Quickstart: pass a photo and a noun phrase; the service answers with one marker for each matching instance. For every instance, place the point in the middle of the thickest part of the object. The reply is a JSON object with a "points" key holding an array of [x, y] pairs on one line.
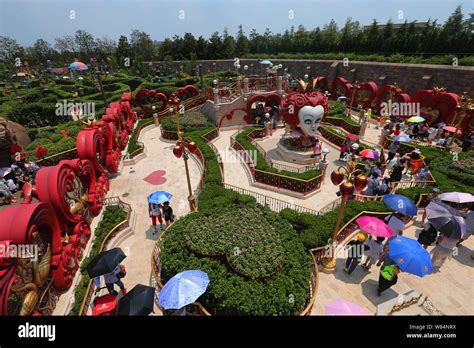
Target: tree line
{"points": [[455, 36]]}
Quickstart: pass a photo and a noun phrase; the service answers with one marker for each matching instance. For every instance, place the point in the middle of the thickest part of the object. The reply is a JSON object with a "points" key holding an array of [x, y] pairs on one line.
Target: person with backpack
{"points": [[354, 254], [388, 277]]}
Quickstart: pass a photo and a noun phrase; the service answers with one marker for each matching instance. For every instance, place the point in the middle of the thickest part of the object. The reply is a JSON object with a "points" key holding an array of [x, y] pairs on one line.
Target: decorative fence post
{"points": [[246, 87]]}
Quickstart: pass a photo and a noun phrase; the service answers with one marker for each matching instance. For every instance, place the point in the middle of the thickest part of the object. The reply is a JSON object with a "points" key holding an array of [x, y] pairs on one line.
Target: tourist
{"points": [[375, 251], [385, 258], [397, 130], [155, 213], [317, 150], [344, 149], [393, 162], [415, 130], [397, 171], [372, 185], [5, 192], [468, 142], [268, 125], [168, 213], [396, 222], [442, 142], [432, 134], [428, 235], [392, 149], [377, 168], [469, 226], [388, 277], [111, 279], [424, 174], [354, 253], [385, 187], [440, 128], [413, 161], [443, 249], [450, 140], [432, 197]]}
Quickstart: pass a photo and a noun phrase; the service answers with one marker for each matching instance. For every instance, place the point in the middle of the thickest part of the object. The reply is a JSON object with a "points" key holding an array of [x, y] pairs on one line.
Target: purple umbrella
{"points": [[456, 197], [343, 307]]}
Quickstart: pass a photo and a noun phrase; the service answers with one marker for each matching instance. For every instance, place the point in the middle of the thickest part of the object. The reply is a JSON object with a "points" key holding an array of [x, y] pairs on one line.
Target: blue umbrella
{"points": [[266, 62], [159, 197], [410, 256], [184, 288], [402, 138], [401, 204]]}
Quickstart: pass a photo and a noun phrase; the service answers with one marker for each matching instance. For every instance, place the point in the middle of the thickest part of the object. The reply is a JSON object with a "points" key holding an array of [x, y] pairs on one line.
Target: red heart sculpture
{"points": [[146, 99], [267, 99], [365, 94], [436, 106], [383, 95], [340, 87]]}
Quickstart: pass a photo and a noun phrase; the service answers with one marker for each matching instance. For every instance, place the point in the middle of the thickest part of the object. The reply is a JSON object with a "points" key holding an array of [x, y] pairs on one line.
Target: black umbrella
{"points": [[105, 262], [138, 301], [446, 220]]}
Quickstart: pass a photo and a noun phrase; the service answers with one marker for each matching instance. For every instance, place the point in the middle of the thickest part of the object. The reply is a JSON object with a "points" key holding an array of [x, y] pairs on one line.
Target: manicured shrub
{"points": [[231, 293], [189, 121]]}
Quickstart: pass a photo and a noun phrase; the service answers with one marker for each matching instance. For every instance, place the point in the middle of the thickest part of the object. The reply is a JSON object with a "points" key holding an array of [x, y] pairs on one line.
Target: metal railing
{"points": [[274, 204]]}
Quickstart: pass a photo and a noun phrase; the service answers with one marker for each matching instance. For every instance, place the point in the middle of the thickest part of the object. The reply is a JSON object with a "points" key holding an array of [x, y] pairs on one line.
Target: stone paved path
{"points": [[131, 188], [451, 290]]}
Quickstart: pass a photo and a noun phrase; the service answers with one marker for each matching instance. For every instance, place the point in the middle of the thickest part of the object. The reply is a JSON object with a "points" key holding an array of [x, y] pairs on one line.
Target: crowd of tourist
{"points": [[14, 177]]}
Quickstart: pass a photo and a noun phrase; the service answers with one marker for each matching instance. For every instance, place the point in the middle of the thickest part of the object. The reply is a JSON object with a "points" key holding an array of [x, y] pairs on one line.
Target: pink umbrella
{"points": [[452, 129], [374, 226], [343, 307]]}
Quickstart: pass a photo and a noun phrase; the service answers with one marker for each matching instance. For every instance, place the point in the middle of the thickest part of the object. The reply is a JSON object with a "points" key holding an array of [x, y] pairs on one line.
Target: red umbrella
{"points": [[353, 137], [452, 129]]}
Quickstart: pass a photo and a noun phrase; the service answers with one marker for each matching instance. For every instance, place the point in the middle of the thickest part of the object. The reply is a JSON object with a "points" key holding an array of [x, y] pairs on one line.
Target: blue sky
{"points": [[28, 20]]}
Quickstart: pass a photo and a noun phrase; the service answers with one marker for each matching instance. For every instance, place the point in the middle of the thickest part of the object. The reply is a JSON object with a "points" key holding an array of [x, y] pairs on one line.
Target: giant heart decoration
{"points": [[340, 87], [146, 99], [436, 105], [383, 96], [266, 99], [365, 94]]}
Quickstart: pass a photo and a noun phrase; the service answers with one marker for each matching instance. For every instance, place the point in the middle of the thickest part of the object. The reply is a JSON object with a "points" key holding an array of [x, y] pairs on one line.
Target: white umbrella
{"points": [[456, 197]]}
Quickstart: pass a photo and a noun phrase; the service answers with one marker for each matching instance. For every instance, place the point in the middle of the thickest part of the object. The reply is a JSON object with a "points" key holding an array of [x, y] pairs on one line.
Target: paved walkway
{"points": [[451, 290], [235, 173], [131, 188]]}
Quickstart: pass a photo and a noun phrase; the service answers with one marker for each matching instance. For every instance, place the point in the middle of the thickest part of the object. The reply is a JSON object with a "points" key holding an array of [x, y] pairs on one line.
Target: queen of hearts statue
{"points": [[303, 111]]}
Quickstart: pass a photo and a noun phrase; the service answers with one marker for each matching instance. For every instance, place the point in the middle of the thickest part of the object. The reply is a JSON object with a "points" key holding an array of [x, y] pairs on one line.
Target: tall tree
{"points": [[242, 46]]}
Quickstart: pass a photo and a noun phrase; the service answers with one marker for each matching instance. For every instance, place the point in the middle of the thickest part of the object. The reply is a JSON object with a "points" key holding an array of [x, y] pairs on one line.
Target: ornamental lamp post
{"points": [[182, 149], [246, 67], [348, 182], [356, 87]]}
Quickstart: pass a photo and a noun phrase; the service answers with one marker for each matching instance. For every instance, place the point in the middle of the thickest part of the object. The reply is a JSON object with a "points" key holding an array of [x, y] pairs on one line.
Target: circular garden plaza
{"points": [[288, 196]]}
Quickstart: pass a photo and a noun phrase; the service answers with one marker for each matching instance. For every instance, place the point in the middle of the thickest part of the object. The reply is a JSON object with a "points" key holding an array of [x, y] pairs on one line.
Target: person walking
{"points": [[317, 150], [442, 251], [392, 150], [155, 213], [375, 251], [388, 277], [168, 213], [428, 235], [354, 253], [111, 279], [396, 222]]}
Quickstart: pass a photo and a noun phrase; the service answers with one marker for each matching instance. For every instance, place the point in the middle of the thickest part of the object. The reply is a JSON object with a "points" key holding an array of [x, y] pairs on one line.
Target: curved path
{"points": [[167, 173]]}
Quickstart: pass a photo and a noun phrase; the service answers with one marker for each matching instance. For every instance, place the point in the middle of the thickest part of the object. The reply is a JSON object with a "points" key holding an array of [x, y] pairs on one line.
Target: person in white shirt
{"points": [[442, 250], [396, 223], [374, 252]]}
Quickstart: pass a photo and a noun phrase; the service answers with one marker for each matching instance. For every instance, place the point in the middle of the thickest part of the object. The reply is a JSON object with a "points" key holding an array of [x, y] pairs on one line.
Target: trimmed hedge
{"points": [[113, 215], [315, 231], [284, 293], [192, 120]]}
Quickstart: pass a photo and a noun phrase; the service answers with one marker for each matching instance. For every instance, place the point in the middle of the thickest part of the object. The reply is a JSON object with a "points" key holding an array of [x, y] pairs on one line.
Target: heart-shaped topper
{"points": [[365, 94], [146, 99]]}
